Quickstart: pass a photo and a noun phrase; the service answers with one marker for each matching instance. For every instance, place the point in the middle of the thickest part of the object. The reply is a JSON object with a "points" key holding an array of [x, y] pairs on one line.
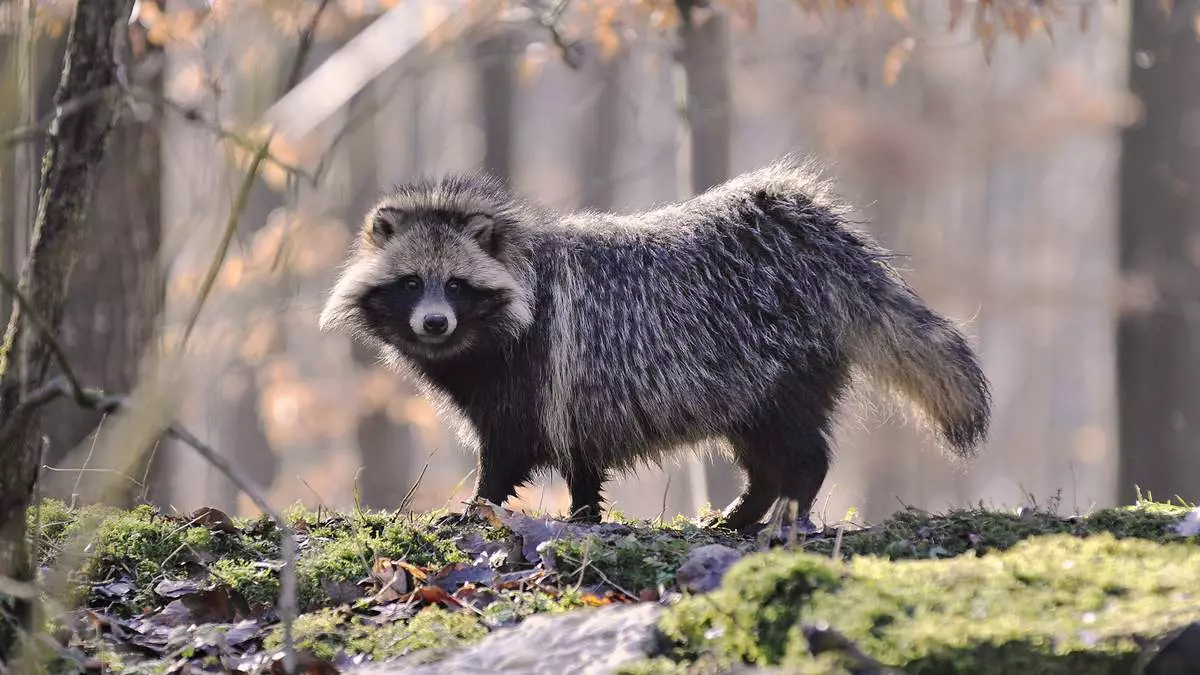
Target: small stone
{"points": [[705, 567]]}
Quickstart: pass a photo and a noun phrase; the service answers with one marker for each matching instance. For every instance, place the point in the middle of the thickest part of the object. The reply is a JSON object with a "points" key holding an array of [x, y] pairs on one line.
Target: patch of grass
{"points": [[342, 549], [643, 557], [327, 632], [258, 584], [913, 534], [1053, 604], [512, 606]]}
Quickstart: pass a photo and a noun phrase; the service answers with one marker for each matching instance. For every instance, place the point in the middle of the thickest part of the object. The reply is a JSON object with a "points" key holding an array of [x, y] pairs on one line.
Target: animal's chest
{"points": [[490, 393]]}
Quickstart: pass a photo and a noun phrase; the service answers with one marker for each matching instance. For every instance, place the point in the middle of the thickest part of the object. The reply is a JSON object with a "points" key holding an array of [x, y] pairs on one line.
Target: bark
{"points": [[706, 134], [116, 292], [497, 93], [69, 168], [1158, 337]]}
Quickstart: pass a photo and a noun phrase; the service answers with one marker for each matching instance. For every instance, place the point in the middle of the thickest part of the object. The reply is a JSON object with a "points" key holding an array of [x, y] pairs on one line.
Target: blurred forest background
{"points": [[1035, 161]]}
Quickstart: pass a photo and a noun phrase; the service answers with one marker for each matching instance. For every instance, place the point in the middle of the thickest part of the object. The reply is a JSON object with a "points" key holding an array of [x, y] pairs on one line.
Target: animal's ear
{"points": [[384, 223], [482, 228]]}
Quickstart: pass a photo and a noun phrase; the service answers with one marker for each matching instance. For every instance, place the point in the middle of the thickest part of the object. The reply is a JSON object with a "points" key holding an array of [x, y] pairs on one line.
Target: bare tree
{"points": [[77, 143], [117, 292], [1158, 340], [704, 140]]}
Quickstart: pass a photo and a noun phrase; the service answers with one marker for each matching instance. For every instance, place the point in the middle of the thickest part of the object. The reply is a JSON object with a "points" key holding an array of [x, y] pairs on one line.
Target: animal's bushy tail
{"points": [[921, 356]]}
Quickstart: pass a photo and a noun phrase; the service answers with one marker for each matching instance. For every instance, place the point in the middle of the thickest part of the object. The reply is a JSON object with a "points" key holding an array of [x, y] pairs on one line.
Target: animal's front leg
{"points": [[503, 466]]}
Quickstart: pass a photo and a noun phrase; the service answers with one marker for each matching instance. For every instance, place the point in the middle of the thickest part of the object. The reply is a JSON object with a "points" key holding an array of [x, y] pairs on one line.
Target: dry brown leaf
{"points": [[897, 8], [896, 57], [214, 520], [436, 594]]}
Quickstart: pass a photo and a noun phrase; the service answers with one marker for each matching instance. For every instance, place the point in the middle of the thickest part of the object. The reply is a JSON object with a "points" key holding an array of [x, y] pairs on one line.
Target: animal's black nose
{"points": [[436, 324]]}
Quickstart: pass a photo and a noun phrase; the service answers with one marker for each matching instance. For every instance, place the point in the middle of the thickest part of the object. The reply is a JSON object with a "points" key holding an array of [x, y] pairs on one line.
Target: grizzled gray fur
{"points": [[589, 342]]}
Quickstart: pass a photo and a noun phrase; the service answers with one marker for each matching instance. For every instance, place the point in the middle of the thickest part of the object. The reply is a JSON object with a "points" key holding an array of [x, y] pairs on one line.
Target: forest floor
{"points": [[970, 591]]}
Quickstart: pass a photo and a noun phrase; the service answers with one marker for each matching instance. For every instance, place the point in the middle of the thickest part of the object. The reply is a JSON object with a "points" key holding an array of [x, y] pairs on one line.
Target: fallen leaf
{"points": [[534, 532], [436, 594], [214, 520], [116, 589], [452, 576], [896, 57], [216, 604]]}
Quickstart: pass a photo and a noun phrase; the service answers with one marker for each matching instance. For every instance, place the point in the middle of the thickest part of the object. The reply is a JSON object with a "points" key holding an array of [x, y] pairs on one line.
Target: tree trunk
{"points": [[598, 159], [69, 169], [1158, 337], [116, 293], [704, 143], [497, 94]]}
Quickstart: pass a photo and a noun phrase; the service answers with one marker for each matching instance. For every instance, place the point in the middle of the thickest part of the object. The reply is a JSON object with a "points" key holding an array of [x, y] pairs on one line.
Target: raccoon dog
{"points": [[589, 342]]}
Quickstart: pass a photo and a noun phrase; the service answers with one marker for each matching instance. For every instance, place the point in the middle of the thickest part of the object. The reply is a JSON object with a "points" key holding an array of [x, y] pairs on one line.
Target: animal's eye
{"points": [[412, 283], [454, 286]]}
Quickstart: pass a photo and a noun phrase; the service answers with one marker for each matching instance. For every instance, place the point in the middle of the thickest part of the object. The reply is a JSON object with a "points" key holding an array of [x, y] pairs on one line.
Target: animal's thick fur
{"points": [[592, 341]]}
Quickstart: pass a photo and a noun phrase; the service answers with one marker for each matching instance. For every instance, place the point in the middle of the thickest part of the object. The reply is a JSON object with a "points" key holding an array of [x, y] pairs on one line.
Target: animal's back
{"points": [[675, 324]]}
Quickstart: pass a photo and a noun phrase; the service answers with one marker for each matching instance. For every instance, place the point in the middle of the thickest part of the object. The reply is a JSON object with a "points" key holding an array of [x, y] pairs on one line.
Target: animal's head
{"points": [[439, 268]]}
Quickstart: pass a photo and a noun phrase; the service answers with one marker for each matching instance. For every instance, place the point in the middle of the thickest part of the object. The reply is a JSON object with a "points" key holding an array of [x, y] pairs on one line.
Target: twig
{"points": [[58, 469], [549, 21], [59, 355], [662, 514], [306, 38], [41, 128], [218, 261], [146, 473], [190, 114], [408, 495], [87, 460]]}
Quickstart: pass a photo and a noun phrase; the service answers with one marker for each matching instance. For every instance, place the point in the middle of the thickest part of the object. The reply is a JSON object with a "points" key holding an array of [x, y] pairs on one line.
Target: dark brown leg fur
{"points": [[785, 451], [585, 484]]}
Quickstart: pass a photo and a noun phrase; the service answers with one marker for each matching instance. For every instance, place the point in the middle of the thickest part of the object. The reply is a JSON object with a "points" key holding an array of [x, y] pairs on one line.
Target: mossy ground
{"points": [[953, 592]]}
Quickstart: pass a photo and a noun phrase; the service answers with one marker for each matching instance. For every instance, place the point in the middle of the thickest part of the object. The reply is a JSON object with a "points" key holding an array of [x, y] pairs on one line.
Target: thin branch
{"points": [[287, 575], [239, 206], [306, 39], [218, 260], [194, 116], [571, 54], [59, 355], [42, 127]]}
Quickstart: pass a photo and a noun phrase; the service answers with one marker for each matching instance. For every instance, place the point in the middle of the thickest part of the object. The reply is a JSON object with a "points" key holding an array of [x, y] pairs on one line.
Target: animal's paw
{"points": [[471, 516], [782, 531], [717, 522], [584, 516]]}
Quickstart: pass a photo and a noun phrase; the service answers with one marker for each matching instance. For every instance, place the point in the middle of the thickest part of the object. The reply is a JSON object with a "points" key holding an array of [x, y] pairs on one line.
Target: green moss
{"points": [[512, 606], [258, 584], [643, 558], [343, 549], [50, 518], [1054, 604], [335, 562], [327, 632], [915, 534], [139, 542]]}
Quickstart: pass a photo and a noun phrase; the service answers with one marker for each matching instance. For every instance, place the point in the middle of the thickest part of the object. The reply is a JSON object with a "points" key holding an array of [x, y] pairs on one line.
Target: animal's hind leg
{"points": [[585, 484], [786, 454], [762, 489]]}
